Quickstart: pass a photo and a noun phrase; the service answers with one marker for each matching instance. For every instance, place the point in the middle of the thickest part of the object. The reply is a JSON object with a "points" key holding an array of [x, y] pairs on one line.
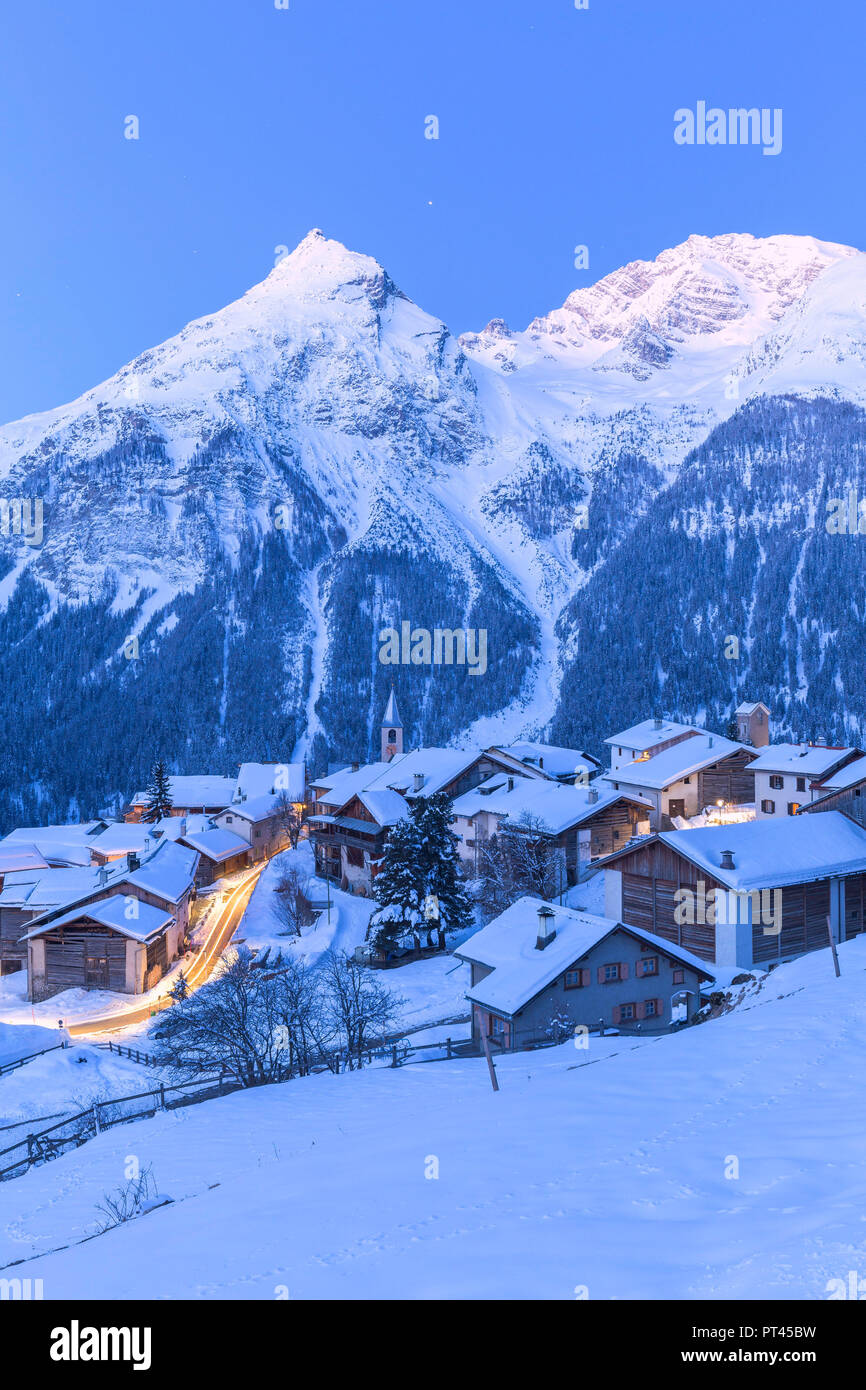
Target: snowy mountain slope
{"points": [[255, 498], [721, 1162]]}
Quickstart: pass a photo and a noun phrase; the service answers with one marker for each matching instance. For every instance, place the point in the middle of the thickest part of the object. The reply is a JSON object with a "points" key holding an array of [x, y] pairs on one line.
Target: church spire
{"points": [[392, 730]]}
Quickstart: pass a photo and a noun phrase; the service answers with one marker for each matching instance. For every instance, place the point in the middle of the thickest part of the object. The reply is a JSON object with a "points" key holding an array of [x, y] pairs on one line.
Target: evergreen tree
{"points": [[158, 793], [439, 862], [398, 887]]}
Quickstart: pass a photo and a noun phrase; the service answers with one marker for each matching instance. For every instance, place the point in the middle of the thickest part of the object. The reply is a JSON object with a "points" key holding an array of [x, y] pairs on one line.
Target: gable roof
{"points": [[520, 971], [804, 759], [111, 912], [386, 805], [645, 735], [559, 806], [255, 809], [846, 777], [555, 761], [681, 760], [261, 779], [20, 855], [199, 790], [751, 708], [767, 853], [36, 890], [216, 844]]}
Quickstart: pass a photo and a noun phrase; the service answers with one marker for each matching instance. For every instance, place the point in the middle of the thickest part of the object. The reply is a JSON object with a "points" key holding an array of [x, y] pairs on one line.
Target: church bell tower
{"points": [[392, 730]]}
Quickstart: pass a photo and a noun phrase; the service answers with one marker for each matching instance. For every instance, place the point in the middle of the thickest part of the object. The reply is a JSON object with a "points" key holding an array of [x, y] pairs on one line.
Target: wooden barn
{"points": [[118, 943], [749, 894]]}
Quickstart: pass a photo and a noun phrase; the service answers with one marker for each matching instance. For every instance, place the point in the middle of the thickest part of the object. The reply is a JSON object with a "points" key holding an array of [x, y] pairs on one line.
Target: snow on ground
{"points": [[64, 1082], [433, 989], [24, 1039], [349, 915], [612, 1168]]}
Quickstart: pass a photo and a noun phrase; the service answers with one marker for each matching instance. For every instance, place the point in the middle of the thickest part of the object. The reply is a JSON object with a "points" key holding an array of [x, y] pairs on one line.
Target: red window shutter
{"points": [[623, 970], [639, 1010], [638, 968], [586, 977], [601, 974], [660, 1008], [616, 1013]]}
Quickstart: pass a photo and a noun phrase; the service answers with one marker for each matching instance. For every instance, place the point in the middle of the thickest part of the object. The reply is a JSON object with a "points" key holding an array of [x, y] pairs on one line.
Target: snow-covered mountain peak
{"points": [[708, 292]]}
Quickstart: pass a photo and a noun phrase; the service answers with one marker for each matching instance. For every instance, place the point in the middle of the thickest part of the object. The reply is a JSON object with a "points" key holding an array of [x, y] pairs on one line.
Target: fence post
{"points": [[448, 1045], [162, 1095], [393, 1054], [96, 1117]]}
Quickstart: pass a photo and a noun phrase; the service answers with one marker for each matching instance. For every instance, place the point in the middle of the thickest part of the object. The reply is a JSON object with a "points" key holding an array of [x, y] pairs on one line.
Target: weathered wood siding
{"points": [[651, 876], [84, 957], [728, 780]]}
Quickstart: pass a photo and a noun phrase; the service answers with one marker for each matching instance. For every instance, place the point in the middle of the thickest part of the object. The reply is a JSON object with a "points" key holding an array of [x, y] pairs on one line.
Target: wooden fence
{"points": [[7, 1067]]}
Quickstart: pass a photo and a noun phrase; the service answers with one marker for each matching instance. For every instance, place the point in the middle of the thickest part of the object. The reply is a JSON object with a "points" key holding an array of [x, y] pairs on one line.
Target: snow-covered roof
{"points": [[20, 855], [804, 759], [168, 872], [339, 787], [217, 844], [254, 809], [846, 777], [198, 790], [387, 806], [750, 709], [173, 827], [270, 779], [437, 767], [113, 912], [521, 970], [35, 891], [558, 806], [391, 718], [125, 836], [645, 735], [557, 762], [771, 853], [680, 760], [80, 832]]}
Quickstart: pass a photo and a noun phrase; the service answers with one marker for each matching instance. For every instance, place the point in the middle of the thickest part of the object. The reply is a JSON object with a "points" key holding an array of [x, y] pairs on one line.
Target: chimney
{"points": [[546, 929], [182, 830], [511, 784], [710, 741], [103, 874], [657, 723], [418, 782], [132, 861], [356, 767], [541, 763], [592, 796], [727, 859]]}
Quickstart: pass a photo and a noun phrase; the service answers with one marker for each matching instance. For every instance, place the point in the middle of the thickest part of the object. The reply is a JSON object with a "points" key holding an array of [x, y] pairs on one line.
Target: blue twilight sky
{"points": [[257, 123]]}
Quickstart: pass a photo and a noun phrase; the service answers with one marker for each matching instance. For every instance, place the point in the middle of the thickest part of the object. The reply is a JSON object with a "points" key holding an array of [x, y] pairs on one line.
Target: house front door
{"points": [[676, 808]]}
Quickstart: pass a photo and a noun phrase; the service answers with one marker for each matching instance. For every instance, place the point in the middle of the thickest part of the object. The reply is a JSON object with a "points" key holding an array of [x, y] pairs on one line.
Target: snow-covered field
{"points": [[723, 1161]]}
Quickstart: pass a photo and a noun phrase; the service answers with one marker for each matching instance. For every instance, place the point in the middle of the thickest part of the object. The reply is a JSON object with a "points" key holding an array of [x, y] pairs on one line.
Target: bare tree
{"points": [[359, 1007], [520, 859], [290, 906], [229, 1024], [303, 1028], [290, 818]]}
